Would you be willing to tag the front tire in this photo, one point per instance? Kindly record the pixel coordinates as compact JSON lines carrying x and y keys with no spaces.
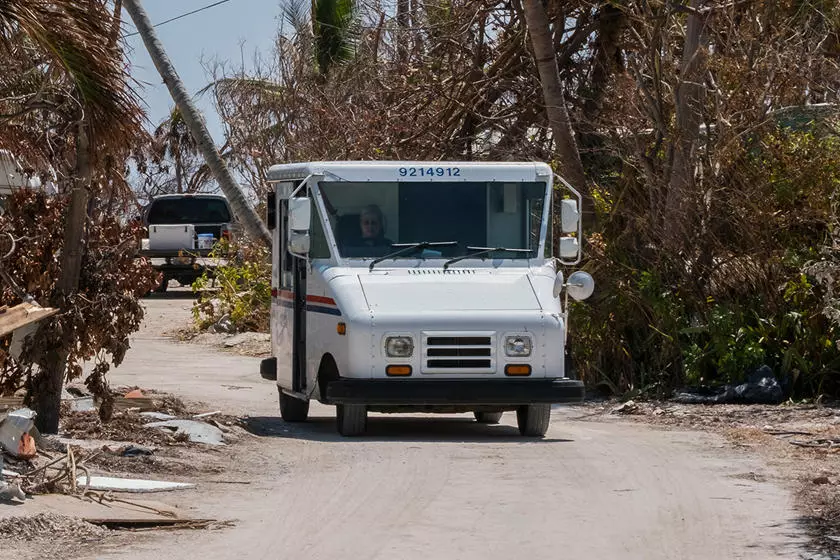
{"x":292,"y":409}
{"x":488,"y":417}
{"x":351,"y":419}
{"x":533,"y":419}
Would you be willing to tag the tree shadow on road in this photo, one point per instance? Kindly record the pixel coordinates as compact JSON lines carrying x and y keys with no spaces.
{"x":172,"y":294}
{"x":402,"y":429}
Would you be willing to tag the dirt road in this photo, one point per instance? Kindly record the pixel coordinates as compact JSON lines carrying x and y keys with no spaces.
{"x":420,"y":487}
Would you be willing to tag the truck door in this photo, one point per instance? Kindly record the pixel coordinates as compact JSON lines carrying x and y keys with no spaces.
{"x":289,"y":330}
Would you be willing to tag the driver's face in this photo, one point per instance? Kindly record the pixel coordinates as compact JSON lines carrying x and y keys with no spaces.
{"x":370,"y":226}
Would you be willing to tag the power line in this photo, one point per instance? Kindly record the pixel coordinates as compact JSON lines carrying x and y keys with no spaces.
{"x":183,"y":16}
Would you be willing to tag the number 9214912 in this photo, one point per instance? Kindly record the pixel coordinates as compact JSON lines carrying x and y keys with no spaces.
{"x":430,"y":171}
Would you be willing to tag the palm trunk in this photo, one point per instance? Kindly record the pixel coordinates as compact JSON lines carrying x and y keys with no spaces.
{"x":248,"y":216}
{"x":47,"y":394}
{"x":178,"y":174}
{"x":403,"y":23}
{"x":690,"y":96}
{"x":565,"y":147}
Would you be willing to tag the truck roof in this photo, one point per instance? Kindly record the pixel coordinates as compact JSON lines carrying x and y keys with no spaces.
{"x":188,"y":195}
{"x":385,"y":171}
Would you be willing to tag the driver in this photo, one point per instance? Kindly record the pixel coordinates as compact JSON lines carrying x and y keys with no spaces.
{"x":370,"y":224}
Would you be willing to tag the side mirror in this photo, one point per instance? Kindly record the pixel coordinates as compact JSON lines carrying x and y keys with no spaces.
{"x":569,"y":215}
{"x":558,"y":284}
{"x":569,"y":247}
{"x":581,"y":285}
{"x":299,"y":243}
{"x":271,"y":210}
{"x":300,"y":214}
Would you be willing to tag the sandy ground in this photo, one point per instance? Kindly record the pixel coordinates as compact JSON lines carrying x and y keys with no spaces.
{"x":419,"y":487}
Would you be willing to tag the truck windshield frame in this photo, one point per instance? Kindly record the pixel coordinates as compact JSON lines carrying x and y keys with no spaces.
{"x":367,"y":220}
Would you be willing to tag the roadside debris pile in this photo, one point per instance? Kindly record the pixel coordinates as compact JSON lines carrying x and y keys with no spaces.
{"x":760,"y":387}
{"x":50,"y":526}
{"x":142,"y":423}
{"x":148,"y":418}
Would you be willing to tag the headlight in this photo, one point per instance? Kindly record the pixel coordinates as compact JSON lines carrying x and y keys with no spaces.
{"x":518,"y":346}
{"x":399,"y":346}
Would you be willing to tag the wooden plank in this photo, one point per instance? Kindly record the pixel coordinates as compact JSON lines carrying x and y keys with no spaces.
{"x":10,"y":402}
{"x":143,"y":403}
{"x":22,"y":315}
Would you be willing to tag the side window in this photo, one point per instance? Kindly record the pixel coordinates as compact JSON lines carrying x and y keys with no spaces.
{"x":318,"y":249}
{"x":286,"y":277}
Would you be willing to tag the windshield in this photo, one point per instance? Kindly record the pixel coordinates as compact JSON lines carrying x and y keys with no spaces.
{"x":189,"y":210}
{"x":368,"y":219}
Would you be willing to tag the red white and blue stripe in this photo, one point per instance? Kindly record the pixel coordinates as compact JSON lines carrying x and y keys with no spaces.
{"x":314,"y":304}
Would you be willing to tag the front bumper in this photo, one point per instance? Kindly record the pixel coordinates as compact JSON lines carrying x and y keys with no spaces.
{"x":496,"y":392}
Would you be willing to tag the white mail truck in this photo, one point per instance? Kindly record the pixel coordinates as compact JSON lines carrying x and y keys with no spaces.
{"x":422,"y":287}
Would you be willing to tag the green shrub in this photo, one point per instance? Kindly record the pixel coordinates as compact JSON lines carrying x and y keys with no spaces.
{"x":238,"y":290}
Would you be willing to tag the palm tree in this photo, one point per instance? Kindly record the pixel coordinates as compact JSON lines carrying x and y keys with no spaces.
{"x":555,"y":101}
{"x":243,"y":210}
{"x":72,"y":41}
{"x":172,"y":138}
{"x":331,"y":27}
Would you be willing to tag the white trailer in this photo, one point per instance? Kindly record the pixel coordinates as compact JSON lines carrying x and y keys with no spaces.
{"x":421,"y":287}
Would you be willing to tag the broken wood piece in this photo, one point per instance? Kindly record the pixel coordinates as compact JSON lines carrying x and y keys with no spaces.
{"x":786,"y":433}
{"x":817,"y":443}
{"x":11,"y":402}
{"x":134,"y":524}
{"x":21,"y":315}
{"x":144,"y":404}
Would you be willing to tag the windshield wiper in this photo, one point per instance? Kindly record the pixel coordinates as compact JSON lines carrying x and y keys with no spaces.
{"x":482,"y":251}
{"x":409,"y":247}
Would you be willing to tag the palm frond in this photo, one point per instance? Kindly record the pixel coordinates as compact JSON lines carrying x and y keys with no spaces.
{"x":332,"y":24}
{"x":74,"y":36}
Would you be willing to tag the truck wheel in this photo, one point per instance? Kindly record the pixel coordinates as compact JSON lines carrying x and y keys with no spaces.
{"x":533,"y":419}
{"x":488,"y":417}
{"x":352,"y":419}
{"x":292,"y":409}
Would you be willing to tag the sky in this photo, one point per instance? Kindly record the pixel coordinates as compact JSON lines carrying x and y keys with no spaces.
{"x":232,"y":32}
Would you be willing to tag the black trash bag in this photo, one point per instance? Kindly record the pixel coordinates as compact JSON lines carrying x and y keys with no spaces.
{"x":761,"y":387}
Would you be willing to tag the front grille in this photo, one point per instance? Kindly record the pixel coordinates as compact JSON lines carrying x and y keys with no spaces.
{"x":459,"y":352}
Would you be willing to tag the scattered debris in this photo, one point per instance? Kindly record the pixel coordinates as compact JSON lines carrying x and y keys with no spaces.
{"x":50,"y":526}
{"x":81,"y":404}
{"x":630,"y":407}
{"x":14,"y":433}
{"x":11,"y":491}
{"x":761,"y":387}
{"x":198,"y":432}
{"x":134,"y":451}
{"x":129,"y":484}
{"x":827,"y":443}
{"x":821,"y":480}
{"x":158,"y":415}
{"x":206,"y":414}
{"x":126,"y":426}
{"x":135,"y":394}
